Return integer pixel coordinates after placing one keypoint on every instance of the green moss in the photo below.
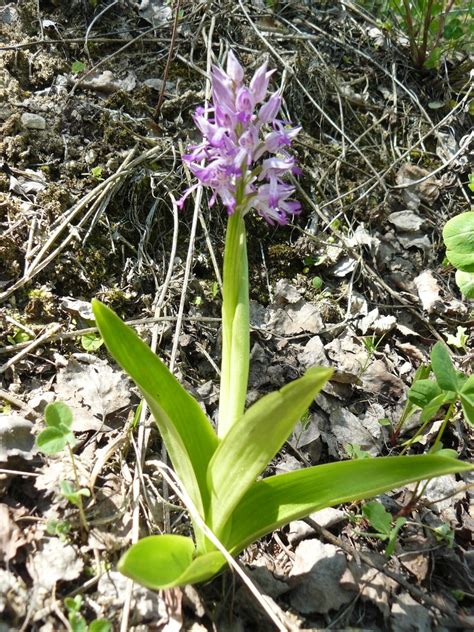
(55, 199)
(41, 304)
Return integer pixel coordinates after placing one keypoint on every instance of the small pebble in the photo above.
(33, 121)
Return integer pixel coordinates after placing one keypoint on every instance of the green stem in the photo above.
(412, 440)
(448, 416)
(235, 325)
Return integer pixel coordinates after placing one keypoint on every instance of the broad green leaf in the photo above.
(277, 500)
(453, 29)
(458, 235)
(446, 452)
(443, 368)
(380, 519)
(465, 282)
(58, 415)
(466, 396)
(202, 568)
(52, 440)
(423, 391)
(165, 561)
(432, 408)
(185, 429)
(253, 441)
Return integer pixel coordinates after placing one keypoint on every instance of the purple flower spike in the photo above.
(243, 157)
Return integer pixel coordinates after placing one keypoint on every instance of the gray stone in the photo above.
(406, 221)
(327, 518)
(409, 616)
(33, 121)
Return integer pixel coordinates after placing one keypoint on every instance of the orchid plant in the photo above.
(243, 159)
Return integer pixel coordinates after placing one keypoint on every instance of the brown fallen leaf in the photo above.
(11, 538)
(316, 576)
(428, 291)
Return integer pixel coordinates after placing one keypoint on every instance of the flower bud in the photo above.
(259, 82)
(269, 110)
(234, 69)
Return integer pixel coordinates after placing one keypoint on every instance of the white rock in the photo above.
(298, 529)
(54, 561)
(111, 593)
(328, 517)
(409, 616)
(33, 121)
(16, 437)
(346, 428)
(295, 319)
(442, 491)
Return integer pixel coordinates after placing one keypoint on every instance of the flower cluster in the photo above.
(243, 155)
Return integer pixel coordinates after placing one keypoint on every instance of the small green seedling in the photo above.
(448, 387)
(58, 528)
(73, 495)
(382, 521)
(77, 67)
(54, 439)
(371, 344)
(317, 282)
(444, 533)
(58, 434)
(459, 340)
(458, 236)
(354, 451)
(96, 173)
(91, 342)
(77, 621)
(18, 337)
(471, 182)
